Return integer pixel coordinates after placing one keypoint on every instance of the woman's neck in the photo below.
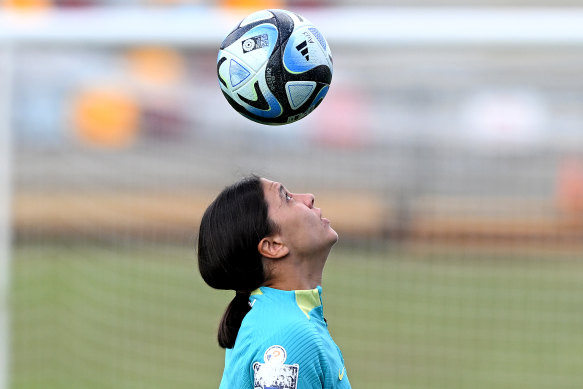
(287, 274)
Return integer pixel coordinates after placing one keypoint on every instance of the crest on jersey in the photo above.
(274, 374)
(275, 354)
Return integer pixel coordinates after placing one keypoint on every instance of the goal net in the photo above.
(453, 175)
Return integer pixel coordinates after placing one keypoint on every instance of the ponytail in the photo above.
(232, 319)
(230, 230)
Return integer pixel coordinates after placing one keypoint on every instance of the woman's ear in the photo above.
(272, 247)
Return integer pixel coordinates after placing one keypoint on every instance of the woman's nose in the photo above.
(309, 200)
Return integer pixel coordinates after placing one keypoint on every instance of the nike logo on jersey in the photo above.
(341, 373)
(261, 103)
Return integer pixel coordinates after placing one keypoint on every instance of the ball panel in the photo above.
(220, 61)
(256, 118)
(319, 97)
(256, 98)
(298, 92)
(255, 46)
(320, 74)
(239, 31)
(238, 73)
(233, 73)
(313, 105)
(255, 17)
(319, 37)
(285, 24)
(295, 19)
(303, 52)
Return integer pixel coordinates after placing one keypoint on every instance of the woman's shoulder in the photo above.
(277, 322)
(293, 333)
(273, 317)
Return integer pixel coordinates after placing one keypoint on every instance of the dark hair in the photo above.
(228, 257)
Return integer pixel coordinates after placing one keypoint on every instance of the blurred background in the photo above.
(448, 155)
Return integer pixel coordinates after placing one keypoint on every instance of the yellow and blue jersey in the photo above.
(284, 343)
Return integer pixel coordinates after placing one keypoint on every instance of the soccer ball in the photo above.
(275, 67)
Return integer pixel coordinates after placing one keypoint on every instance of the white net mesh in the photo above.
(460, 236)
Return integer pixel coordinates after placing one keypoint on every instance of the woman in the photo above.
(270, 247)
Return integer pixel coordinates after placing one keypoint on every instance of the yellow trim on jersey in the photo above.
(256, 292)
(308, 300)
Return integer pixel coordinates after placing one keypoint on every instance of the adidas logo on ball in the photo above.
(303, 49)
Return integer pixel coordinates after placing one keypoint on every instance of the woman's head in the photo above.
(230, 231)
(246, 233)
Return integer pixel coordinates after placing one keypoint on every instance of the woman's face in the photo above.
(301, 226)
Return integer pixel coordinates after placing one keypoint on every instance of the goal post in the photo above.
(5, 207)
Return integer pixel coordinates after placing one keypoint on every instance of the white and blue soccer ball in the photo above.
(275, 67)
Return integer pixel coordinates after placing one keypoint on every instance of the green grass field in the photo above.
(139, 316)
